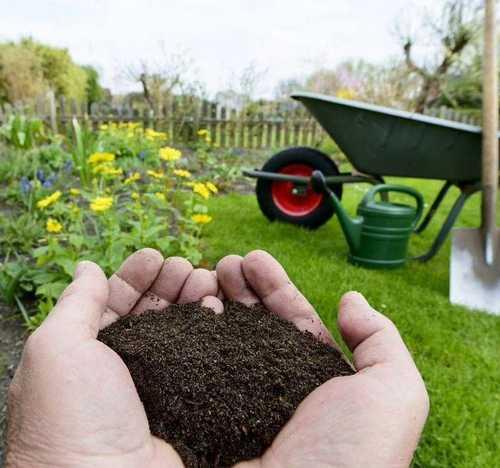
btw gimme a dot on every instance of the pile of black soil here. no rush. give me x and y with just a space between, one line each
220 387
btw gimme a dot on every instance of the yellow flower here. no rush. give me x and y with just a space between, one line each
346 93
203 132
134 195
132 178
182 173
107 169
201 218
160 196
98 158
101 204
153 134
53 225
155 174
103 127
47 201
201 190
112 171
211 187
74 191
169 154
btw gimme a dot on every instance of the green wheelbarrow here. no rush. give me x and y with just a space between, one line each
378 142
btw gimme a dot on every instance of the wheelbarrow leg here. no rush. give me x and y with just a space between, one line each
466 192
435 205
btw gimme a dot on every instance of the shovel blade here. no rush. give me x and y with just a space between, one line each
473 283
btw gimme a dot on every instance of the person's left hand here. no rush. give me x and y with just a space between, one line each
72 402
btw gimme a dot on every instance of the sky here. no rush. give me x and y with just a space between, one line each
281 38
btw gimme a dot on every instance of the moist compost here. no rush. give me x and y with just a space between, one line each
220 387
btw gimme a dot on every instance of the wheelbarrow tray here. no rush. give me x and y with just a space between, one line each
386 142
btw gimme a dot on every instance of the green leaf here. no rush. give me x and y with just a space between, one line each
76 240
67 264
42 277
51 290
21 138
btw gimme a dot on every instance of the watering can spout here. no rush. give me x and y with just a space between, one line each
351 227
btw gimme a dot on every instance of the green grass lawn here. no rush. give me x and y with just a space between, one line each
456 350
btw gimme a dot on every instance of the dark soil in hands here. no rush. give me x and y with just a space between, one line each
220 387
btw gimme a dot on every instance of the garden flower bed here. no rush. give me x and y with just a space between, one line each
99 196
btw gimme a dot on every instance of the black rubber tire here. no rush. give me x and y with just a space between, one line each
298 155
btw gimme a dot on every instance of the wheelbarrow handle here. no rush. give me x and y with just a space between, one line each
386 188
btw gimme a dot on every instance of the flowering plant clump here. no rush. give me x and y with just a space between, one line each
53 225
201 218
99 158
124 190
182 173
202 190
155 174
170 154
50 200
100 204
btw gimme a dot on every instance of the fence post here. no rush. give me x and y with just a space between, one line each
52 110
223 127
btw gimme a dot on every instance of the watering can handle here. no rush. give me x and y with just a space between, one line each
401 189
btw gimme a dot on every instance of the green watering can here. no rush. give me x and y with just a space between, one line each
378 237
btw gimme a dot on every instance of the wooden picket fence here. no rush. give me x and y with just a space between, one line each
452 114
280 125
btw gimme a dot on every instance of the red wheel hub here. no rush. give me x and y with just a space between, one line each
294 200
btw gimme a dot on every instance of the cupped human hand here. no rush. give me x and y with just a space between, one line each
373 418
72 402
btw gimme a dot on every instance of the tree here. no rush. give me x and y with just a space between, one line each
21 74
287 87
384 84
166 75
29 68
93 90
63 76
453 31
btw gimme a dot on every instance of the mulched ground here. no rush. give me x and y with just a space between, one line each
220 387
12 336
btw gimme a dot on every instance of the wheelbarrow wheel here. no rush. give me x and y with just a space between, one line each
301 205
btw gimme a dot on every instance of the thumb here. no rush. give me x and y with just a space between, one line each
78 311
372 337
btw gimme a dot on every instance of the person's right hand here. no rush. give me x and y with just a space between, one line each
373 418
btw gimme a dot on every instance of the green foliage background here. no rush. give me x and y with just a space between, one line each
29 68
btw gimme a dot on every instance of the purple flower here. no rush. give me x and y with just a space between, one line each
25 185
40 175
49 182
142 155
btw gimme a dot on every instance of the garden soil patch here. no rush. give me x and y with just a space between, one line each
220 387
